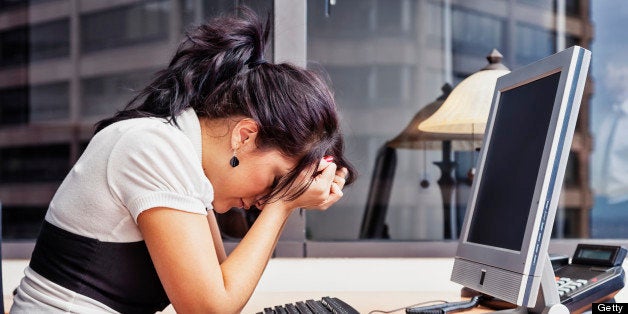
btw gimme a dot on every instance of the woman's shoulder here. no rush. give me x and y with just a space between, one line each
148 137
145 124
141 131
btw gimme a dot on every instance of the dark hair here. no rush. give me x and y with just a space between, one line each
220 71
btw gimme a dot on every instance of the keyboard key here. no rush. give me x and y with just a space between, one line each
291 309
304 309
338 306
317 307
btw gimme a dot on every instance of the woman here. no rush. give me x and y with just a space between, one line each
129 228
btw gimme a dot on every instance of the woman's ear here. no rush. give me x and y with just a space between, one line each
244 134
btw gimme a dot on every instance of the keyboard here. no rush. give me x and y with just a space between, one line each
323 306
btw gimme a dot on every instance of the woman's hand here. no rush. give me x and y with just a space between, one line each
325 189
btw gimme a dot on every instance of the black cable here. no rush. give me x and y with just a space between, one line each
442 302
449 307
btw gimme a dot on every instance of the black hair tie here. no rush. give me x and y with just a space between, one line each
257 62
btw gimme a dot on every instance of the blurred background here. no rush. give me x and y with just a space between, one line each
65 64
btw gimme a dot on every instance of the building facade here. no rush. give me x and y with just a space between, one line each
65 64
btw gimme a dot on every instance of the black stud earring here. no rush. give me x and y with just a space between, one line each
234 161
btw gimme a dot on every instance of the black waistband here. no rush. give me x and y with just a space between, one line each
119 275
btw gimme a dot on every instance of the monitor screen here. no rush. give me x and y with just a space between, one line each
512 164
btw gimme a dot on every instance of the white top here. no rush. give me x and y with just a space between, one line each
128 167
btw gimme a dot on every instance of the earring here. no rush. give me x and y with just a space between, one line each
234 161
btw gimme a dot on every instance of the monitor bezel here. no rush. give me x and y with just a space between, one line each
528 261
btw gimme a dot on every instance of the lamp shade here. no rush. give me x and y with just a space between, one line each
466 109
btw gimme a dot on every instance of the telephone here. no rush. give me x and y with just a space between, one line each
595 274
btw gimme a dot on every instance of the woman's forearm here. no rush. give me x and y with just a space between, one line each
243 268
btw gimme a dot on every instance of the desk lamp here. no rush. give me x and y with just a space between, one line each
456 117
373 222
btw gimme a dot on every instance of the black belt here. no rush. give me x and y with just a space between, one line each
119 275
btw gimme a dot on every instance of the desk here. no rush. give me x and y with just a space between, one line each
365 283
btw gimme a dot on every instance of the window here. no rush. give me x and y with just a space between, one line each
533 43
25 164
49 102
476 33
146 21
50 40
387 59
379 91
21 222
9 4
389 85
544 4
14 106
348 82
104 95
33 43
365 19
14 49
35 104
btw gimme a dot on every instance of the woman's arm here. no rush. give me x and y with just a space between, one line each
186 258
187 263
216 236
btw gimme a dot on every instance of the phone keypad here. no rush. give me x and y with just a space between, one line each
567 285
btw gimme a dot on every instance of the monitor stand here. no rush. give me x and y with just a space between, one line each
547 301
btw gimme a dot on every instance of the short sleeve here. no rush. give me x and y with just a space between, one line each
156 165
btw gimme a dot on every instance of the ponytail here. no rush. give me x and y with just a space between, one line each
210 55
219 70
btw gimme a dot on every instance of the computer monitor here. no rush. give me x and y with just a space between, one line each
502 250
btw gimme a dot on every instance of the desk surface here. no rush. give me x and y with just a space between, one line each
365 283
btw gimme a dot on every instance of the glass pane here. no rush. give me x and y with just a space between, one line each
25 164
14 106
383 72
104 95
50 40
49 102
534 43
9 4
387 60
21 222
127 25
14 46
609 120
